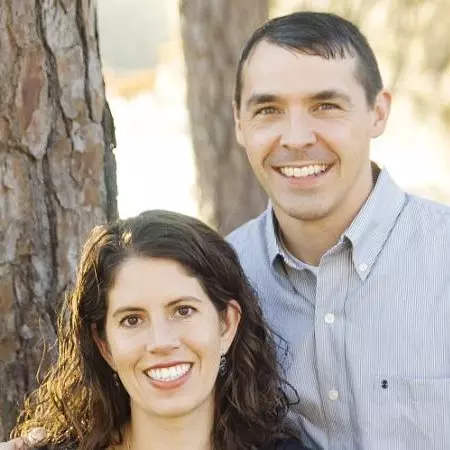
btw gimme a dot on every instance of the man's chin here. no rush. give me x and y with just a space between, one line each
303 213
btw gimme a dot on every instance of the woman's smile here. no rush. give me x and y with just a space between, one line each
170 377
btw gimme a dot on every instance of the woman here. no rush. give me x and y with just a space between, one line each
162 346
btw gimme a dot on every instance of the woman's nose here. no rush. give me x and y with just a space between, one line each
163 337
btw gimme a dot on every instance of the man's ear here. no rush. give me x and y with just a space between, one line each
237 124
230 323
381 110
103 346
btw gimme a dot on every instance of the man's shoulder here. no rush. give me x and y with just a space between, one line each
428 212
251 243
250 234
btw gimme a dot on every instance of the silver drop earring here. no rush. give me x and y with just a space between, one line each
116 380
223 369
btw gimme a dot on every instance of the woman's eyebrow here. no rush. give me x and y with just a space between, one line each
184 299
136 309
127 309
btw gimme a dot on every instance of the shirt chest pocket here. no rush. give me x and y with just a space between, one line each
413 413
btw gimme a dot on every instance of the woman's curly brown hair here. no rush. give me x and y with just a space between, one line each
78 401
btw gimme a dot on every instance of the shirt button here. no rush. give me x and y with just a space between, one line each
329 318
363 267
333 395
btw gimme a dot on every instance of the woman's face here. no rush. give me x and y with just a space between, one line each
164 337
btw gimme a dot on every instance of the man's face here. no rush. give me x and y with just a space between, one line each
306 126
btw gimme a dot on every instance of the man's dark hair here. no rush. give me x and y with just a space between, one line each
321 34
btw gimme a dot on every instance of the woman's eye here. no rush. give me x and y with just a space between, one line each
131 321
185 311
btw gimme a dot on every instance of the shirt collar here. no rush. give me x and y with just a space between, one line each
271 231
368 231
371 227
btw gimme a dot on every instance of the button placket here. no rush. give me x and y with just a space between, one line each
333 395
332 289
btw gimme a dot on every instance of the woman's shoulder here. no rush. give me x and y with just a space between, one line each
285 444
72 446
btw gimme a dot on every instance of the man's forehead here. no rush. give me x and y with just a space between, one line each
272 67
265 55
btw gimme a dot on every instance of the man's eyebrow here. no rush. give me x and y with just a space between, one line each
258 99
327 94
331 94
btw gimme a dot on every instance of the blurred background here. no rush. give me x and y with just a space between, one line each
148 87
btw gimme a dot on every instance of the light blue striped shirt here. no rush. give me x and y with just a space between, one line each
370 331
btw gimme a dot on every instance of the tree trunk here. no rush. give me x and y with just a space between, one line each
57 174
213 33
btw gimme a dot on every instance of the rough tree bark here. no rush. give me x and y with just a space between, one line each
57 173
213 33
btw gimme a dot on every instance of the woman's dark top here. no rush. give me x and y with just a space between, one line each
285 444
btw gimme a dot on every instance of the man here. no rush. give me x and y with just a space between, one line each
351 271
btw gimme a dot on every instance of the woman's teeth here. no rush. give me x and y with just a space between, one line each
168 373
305 171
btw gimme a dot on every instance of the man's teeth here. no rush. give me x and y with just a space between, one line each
169 373
299 172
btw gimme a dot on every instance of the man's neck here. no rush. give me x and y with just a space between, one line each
309 240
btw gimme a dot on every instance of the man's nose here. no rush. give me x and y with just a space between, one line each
163 336
298 131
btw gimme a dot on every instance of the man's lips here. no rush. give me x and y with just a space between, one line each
303 171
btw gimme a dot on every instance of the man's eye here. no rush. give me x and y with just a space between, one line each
184 311
131 321
327 106
266 110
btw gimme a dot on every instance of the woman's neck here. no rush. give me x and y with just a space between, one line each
192 431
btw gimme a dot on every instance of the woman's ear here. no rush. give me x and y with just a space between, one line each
102 345
230 323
